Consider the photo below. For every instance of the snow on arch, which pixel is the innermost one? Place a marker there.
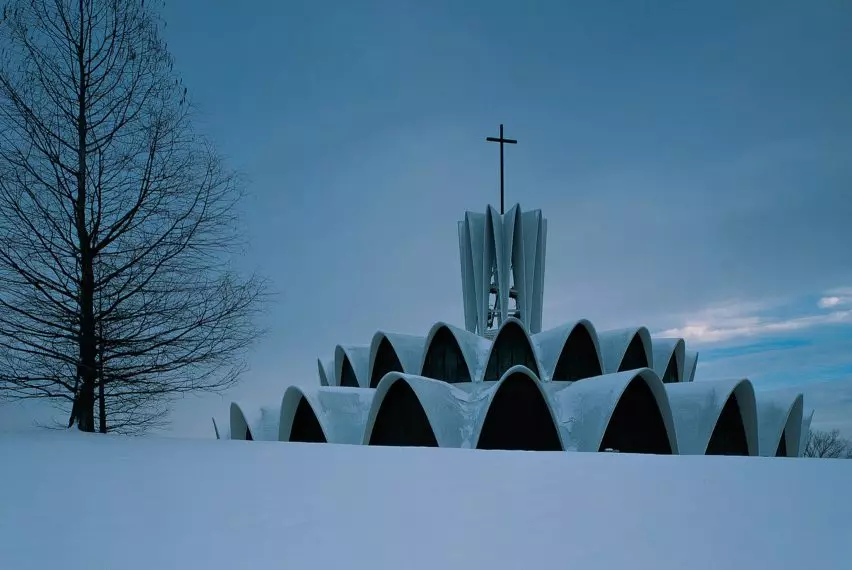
(407, 350)
(690, 364)
(425, 403)
(507, 394)
(358, 360)
(697, 408)
(474, 348)
(620, 347)
(551, 346)
(341, 412)
(259, 421)
(584, 409)
(669, 356)
(780, 412)
(492, 370)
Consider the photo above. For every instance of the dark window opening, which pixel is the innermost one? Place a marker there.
(635, 356)
(347, 377)
(444, 359)
(729, 437)
(386, 361)
(401, 420)
(670, 375)
(248, 434)
(781, 450)
(636, 425)
(578, 359)
(306, 427)
(519, 419)
(510, 348)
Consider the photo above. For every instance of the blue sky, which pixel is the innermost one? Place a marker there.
(692, 160)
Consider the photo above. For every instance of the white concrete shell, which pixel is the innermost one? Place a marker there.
(444, 405)
(583, 409)
(325, 378)
(806, 432)
(779, 413)
(474, 348)
(697, 407)
(666, 349)
(340, 412)
(484, 401)
(260, 421)
(614, 347)
(512, 246)
(358, 358)
(550, 345)
(691, 363)
(504, 330)
(408, 350)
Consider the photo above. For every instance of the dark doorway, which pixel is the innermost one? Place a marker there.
(578, 359)
(510, 348)
(402, 420)
(670, 375)
(636, 425)
(729, 437)
(444, 359)
(781, 450)
(347, 376)
(519, 418)
(386, 361)
(634, 357)
(306, 427)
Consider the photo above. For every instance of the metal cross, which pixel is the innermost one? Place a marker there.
(501, 140)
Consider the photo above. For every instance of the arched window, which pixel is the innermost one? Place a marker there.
(578, 358)
(729, 437)
(511, 348)
(519, 418)
(781, 450)
(670, 375)
(401, 420)
(635, 356)
(637, 425)
(306, 427)
(386, 361)
(444, 359)
(347, 376)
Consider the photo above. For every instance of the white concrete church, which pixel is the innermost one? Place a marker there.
(503, 383)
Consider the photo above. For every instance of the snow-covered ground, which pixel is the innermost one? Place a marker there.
(72, 501)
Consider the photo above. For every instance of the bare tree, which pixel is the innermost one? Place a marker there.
(117, 221)
(828, 444)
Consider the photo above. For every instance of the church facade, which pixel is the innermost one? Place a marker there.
(503, 383)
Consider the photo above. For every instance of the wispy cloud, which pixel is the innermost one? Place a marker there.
(739, 320)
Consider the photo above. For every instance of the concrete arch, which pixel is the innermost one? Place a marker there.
(585, 412)
(713, 417)
(474, 348)
(569, 352)
(518, 416)
(394, 352)
(299, 419)
(323, 372)
(804, 436)
(417, 411)
(690, 365)
(780, 414)
(626, 349)
(351, 366)
(444, 359)
(669, 359)
(511, 347)
(253, 422)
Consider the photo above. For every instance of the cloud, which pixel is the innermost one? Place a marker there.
(747, 320)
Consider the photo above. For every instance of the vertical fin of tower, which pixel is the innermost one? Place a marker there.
(502, 258)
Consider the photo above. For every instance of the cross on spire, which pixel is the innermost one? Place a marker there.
(501, 140)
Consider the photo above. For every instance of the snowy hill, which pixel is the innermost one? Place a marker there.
(75, 501)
